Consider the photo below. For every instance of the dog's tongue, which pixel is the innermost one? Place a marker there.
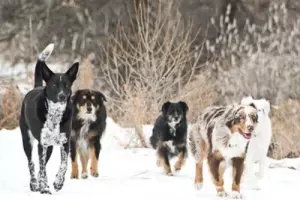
(247, 135)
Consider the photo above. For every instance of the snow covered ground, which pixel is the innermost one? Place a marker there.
(131, 174)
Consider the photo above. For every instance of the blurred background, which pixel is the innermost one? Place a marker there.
(141, 53)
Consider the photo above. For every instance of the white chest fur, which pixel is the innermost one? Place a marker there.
(234, 147)
(83, 137)
(50, 133)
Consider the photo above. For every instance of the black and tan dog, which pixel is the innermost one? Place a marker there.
(169, 135)
(222, 136)
(88, 126)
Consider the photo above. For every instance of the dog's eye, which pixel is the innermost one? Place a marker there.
(253, 117)
(243, 117)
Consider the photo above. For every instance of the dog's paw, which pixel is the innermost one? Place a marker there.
(198, 186)
(94, 173)
(84, 175)
(45, 190)
(169, 174)
(74, 175)
(236, 195)
(34, 185)
(177, 168)
(222, 193)
(58, 183)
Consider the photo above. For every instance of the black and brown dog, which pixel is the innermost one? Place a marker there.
(169, 135)
(88, 126)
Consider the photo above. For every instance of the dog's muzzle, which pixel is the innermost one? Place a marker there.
(62, 97)
(89, 109)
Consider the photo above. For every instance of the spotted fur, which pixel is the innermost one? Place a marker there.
(221, 136)
(46, 115)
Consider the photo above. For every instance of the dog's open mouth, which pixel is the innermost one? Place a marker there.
(247, 136)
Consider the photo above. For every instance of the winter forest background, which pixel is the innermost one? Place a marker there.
(141, 53)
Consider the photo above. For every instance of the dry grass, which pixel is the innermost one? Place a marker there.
(85, 78)
(148, 63)
(198, 94)
(286, 128)
(11, 101)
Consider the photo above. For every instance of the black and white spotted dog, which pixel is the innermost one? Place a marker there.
(46, 116)
(169, 135)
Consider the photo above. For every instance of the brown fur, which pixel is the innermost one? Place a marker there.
(237, 172)
(166, 167)
(74, 172)
(180, 162)
(216, 170)
(199, 165)
(94, 163)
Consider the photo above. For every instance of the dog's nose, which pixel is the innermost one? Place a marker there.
(89, 109)
(62, 97)
(250, 128)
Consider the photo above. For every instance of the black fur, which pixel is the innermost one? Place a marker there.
(162, 132)
(95, 128)
(33, 116)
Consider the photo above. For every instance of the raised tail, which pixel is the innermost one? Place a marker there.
(38, 79)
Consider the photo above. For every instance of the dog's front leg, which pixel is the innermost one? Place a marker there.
(60, 176)
(237, 172)
(95, 152)
(181, 158)
(216, 165)
(42, 176)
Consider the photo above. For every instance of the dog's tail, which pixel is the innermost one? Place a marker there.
(38, 79)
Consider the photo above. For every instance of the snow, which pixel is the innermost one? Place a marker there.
(131, 174)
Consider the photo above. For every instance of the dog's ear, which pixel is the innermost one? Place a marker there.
(46, 72)
(165, 107)
(184, 106)
(253, 105)
(72, 72)
(100, 95)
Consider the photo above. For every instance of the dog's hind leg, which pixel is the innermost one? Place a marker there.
(163, 157)
(60, 176)
(28, 146)
(200, 154)
(95, 152)
(42, 176)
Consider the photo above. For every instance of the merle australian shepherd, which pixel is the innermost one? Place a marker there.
(169, 135)
(88, 126)
(46, 116)
(221, 136)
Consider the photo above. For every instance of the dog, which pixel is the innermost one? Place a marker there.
(88, 126)
(46, 116)
(169, 135)
(260, 142)
(221, 136)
